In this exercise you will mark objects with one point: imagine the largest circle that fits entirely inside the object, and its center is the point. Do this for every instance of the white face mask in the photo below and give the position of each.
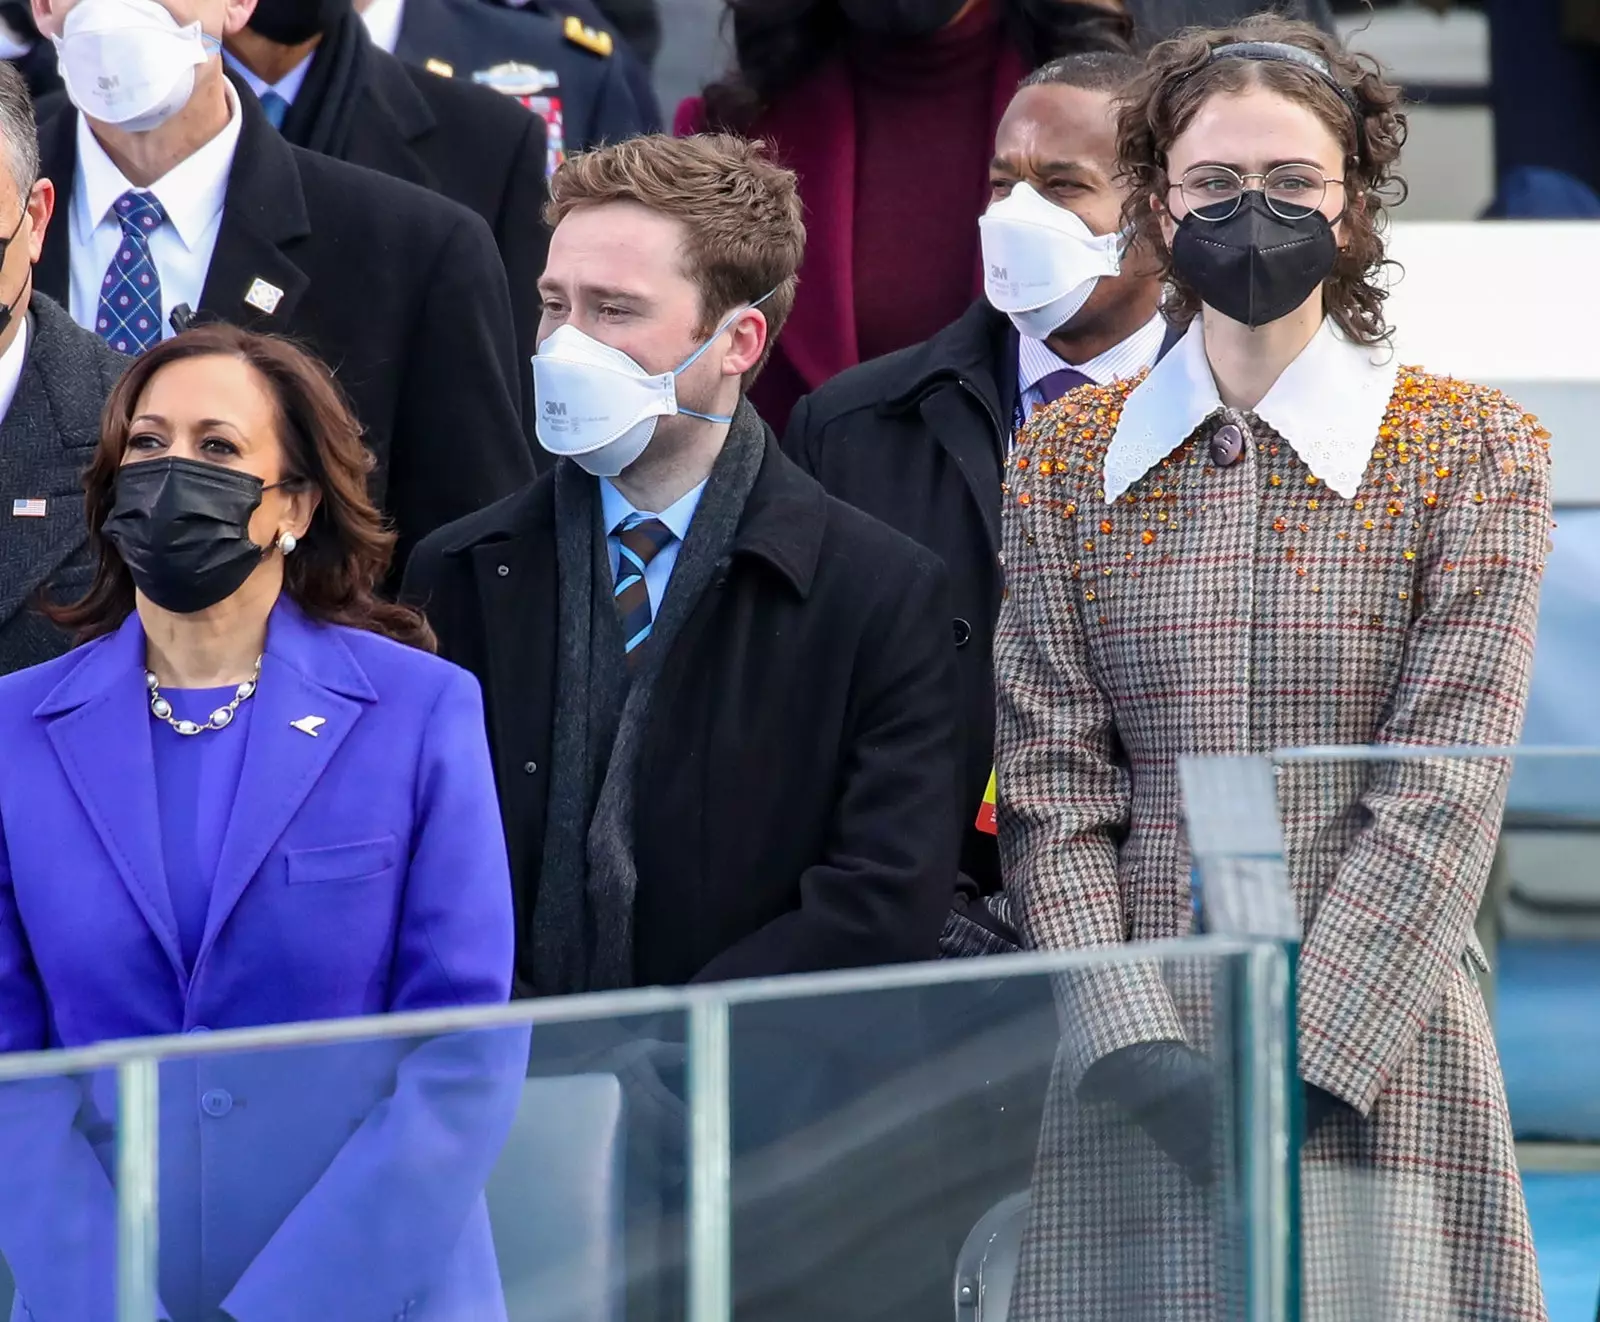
(1041, 262)
(597, 406)
(128, 63)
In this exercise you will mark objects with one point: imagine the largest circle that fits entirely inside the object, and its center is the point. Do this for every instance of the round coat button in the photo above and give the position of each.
(1227, 444)
(216, 1103)
(502, 570)
(530, 767)
(962, 630)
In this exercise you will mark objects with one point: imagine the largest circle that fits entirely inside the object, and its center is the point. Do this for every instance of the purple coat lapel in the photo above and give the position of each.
(99, 725)
(306, 672)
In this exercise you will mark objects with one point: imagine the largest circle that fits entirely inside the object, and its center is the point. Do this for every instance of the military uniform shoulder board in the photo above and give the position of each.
(440, 67)
(581, 34)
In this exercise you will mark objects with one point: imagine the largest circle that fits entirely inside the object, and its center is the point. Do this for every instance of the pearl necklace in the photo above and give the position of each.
(161, 709)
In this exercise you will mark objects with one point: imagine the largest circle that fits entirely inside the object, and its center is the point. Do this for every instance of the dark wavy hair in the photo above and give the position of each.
(777, 44)
(1179, 77)
(334, 573)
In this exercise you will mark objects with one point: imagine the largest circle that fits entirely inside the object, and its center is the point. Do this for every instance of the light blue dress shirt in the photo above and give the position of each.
(615, 509)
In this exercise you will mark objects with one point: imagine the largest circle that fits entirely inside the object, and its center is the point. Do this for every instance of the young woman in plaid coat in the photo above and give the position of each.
(1279, 537)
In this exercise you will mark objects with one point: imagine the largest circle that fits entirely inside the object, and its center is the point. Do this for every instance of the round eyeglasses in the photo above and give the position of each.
(1293, 192)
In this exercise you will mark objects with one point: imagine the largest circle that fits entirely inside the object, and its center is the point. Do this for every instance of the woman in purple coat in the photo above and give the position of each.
(251, 797)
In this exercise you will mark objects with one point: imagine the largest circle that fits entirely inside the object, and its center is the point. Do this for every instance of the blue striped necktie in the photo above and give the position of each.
(642, 538)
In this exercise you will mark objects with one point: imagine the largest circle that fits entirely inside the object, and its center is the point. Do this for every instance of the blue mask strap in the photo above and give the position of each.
(694, 357)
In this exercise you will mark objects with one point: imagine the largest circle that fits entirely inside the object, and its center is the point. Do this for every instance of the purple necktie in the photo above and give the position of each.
(1052, 388)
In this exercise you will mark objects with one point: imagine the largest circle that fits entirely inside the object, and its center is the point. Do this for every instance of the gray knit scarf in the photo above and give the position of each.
(582, 921)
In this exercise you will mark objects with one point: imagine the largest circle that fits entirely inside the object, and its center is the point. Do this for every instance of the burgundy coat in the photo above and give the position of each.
(813, 133)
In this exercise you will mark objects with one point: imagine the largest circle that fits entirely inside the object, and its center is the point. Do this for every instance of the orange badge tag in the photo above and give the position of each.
(986, 822)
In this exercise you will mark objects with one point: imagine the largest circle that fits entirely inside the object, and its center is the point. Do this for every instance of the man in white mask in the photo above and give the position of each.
(723, 704)
(181, 201)
(918, 438)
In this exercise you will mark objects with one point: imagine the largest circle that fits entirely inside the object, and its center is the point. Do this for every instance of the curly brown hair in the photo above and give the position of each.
(1179, 76)
(334, 573)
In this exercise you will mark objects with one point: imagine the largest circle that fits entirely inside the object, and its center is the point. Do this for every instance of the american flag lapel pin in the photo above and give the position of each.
(36, 507)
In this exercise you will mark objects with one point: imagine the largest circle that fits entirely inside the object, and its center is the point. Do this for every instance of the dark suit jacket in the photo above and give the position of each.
(47, 439)
(597, 100)
(472, 145)
(401, 292)
(797, 797)
(918, 439)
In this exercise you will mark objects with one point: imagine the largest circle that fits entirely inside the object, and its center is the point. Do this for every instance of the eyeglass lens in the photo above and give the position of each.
(1292, 191)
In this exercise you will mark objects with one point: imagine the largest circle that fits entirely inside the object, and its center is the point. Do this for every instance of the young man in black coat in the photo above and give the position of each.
(919, 438)
(198, 204)
(331, 90)
(723, 705)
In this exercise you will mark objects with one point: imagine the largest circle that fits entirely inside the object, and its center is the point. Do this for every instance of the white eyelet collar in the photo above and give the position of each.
(1328, 404)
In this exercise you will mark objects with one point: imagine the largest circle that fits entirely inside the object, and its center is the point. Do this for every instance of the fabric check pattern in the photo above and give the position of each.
(1051, 388)
(643, 537)
(130, 295)
(1404, 616)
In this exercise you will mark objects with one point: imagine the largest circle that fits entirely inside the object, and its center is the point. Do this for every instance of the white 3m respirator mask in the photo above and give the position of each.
(1041, 262)
(598, 407)
(128, 63)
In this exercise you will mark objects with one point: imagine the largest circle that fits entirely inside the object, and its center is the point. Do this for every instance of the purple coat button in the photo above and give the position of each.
(1227, 444)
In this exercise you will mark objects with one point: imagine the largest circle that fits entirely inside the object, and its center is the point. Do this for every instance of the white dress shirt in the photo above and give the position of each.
(1328, 404)
(12, 362)
(1036, 360)
(615, 508)
(383, 19)
(192, 194)
(288, 87)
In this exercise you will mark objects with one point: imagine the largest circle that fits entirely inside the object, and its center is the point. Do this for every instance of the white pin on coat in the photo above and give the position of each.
(264, 296)
(309, 724)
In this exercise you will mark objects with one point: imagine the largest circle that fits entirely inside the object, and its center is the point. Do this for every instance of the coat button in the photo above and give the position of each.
(198, 1028)
(1227, 445)
(530, 767)
(216, 1103)
(502, 570)
(963, 631)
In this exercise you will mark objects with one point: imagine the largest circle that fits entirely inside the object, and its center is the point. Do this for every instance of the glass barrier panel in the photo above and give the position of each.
(1066, 1143)
(1448, 1015)
(526, 1175)
(58, 1199)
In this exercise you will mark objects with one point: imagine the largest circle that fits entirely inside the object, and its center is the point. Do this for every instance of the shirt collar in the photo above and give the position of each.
(383, 19)
(288, 87)
(615, 508)
(1328, 404)
(13, 361)
(1036, 359)
(191, 192)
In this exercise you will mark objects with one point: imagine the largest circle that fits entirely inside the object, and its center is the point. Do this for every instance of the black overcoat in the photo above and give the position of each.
(797, 801)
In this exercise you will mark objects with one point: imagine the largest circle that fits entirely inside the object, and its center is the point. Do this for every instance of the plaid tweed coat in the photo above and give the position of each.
(1237, 610)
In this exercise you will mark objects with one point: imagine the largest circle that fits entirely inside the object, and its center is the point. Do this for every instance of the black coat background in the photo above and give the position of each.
(917, 439)
(796, 796)
(599, 100)
(400, 291)
(471, 144)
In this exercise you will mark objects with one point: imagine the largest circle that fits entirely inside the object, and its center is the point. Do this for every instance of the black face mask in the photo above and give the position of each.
(290, 22)
(900, 18)
(1254, 266)
(183, 529)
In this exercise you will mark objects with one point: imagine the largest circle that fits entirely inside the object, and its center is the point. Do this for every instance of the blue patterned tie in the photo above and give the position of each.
(643, 537)
(276, 108)
(130, 296)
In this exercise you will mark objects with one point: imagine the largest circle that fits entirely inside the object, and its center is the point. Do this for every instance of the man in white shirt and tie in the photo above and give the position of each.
(182, 200)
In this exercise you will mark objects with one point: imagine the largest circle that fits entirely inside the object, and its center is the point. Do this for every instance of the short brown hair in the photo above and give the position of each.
(744, 234)
(334, 573)
(1179, 77)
